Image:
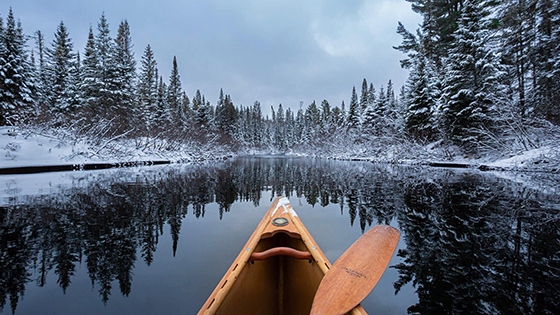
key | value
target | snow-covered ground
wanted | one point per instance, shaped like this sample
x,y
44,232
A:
x,y
33,148
544,158
18,149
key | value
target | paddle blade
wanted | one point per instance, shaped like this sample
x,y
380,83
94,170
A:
x,y
356,272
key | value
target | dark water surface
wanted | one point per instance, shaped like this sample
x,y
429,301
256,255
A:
x,y
157,240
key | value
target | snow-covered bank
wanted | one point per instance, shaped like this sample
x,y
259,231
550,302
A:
x,y
542,159
36,148
31,148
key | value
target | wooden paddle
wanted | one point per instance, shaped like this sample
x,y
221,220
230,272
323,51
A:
x,y
356,272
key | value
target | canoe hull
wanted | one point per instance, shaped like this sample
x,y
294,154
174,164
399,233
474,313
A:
x,y
280,284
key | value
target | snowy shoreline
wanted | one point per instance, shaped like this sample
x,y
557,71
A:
x,y
505,165
31,153
28,152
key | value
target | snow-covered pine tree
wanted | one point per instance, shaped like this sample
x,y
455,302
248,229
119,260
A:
x,y
279,129
16,85
426,55
325,112
371,94
438,25
219,109
257,125
421,93
147,91
269,136
327,124
340,115
211,114
90,84
228,116
289,131
126,76
196,104
221,100
74,92
242,125
381,105
547,60
470,81
301,134
364,97
518,33
34,109
174,92
248,126
60,65
378,115
313,124
203,113
337,117
225,114
391,100
41,83
110,92
163,111
354,118
419,103
185,112
395,112
370,119
174,89
230,112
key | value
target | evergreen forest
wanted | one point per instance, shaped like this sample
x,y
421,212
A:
x,y
483,80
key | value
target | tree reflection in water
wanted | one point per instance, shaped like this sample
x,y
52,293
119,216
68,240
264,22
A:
x,y
478,246
474,243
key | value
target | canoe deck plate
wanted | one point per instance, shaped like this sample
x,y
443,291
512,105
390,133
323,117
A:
x,y
280,221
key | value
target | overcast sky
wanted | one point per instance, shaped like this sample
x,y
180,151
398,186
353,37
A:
x,y
273,51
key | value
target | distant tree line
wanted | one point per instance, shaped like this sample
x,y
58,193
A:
x,y
481,68
480,72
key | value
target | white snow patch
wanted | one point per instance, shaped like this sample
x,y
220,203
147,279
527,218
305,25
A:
x,y
282,202
531,156
19,148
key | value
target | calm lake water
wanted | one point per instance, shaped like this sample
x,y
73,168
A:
x,y
157,240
